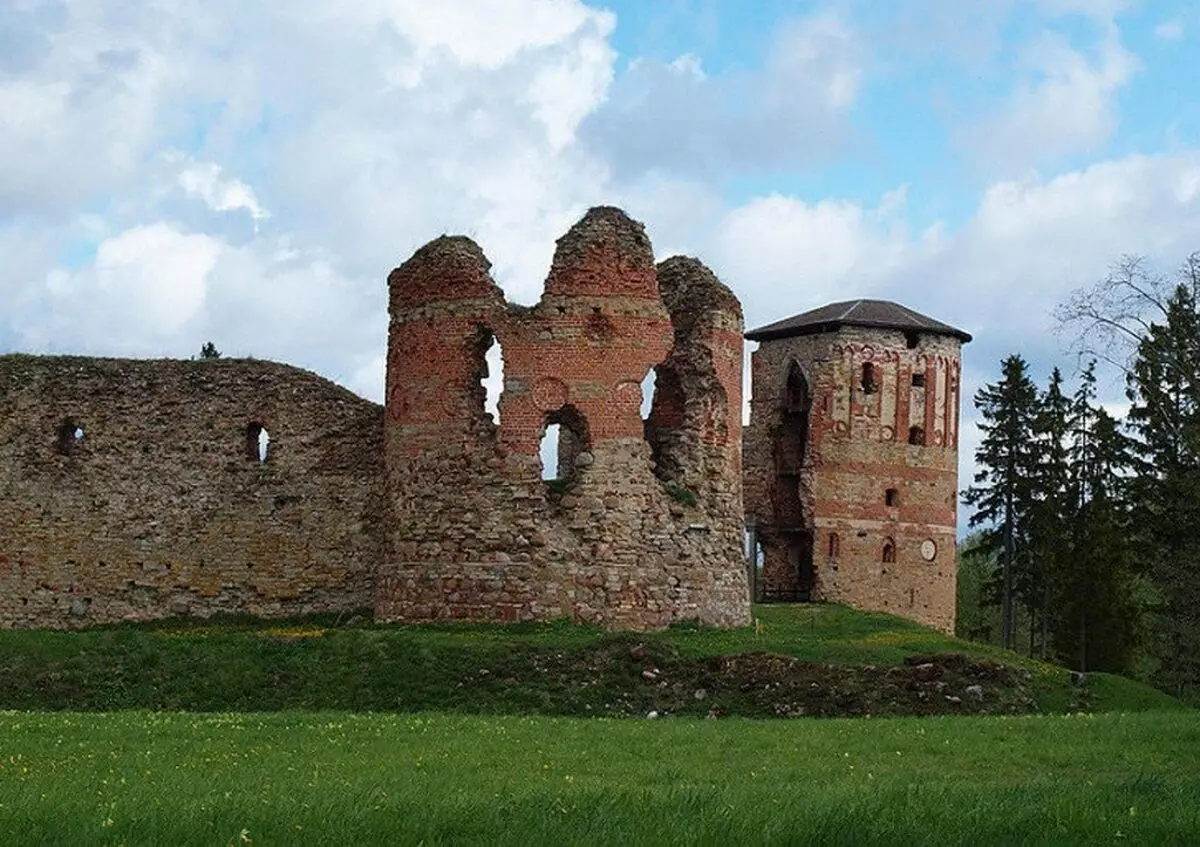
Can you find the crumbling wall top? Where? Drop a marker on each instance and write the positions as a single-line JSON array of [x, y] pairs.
[[605, 254], [695, 297], [451, 267]]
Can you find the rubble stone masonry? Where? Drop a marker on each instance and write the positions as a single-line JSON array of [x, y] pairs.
[[134, 490], [643, 525]]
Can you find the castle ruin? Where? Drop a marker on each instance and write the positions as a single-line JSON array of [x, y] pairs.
[[135, 490]]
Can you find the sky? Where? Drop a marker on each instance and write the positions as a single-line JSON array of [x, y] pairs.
[[248, 173]]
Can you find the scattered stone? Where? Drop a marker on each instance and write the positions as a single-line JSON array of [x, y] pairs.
[[926, 671], [974, 691], [637, 652], [700, 694]]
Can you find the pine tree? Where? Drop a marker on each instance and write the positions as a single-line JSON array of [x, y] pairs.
[[1003, 494]]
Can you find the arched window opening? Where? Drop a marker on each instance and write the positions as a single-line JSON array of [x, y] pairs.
[[835, 545], [916, 435], [791, 439], [868, 378], [70, 437], [892, 497], [257, 442], [565, 440], [488, 358], [889, 551]]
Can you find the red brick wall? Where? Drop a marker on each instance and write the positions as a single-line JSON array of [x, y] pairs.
[[478, 533]]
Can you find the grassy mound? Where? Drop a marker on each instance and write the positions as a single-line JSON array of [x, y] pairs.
[[800, 660]]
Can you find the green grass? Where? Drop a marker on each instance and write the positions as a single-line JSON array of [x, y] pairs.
[[547, 668], [205, 779]]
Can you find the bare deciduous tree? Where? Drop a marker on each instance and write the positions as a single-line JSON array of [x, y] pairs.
[[1108, 320]]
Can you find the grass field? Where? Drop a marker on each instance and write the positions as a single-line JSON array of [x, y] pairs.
[[553, 669], [335, 778]]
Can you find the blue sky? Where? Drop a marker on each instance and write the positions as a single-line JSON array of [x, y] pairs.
[[208, 169]]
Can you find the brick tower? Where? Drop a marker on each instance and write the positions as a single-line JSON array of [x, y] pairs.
[[643, 525], [851, 459]]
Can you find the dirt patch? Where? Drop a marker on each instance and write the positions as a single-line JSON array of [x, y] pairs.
[[632, 679]]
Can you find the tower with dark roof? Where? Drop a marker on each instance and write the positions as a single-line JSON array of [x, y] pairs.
[[851, 459]]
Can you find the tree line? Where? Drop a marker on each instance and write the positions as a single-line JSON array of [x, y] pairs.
[[1087, 527]]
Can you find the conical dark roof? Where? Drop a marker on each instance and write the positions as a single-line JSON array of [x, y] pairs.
[[883, 314]]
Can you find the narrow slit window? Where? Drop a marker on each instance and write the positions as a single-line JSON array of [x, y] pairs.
[[548, 451], [892, 497], [835, 545], [70, 437], [257, 442], [889, 551]]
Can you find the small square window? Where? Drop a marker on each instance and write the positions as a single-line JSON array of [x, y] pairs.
[[918, 380], [892, 498]]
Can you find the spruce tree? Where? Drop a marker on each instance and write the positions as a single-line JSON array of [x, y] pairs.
[[1164, 387], [1094, 613], [1003, 493], [1051, 547]]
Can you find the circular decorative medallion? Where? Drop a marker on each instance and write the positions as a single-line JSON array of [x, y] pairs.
[[550, 393], [928, 550]]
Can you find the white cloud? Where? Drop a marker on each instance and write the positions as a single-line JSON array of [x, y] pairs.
[[483, 35], [144, 288], [204, 180], [670, 117], [1066, 104]]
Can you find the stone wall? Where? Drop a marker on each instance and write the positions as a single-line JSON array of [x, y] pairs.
[[161, 506], [644, 525], [134, 490], [878, 469]]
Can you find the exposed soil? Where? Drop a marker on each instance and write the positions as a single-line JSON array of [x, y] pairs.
[[759, 684]]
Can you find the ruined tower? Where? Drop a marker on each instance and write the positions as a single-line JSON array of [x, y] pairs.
[[642, 525], [851, 459]]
